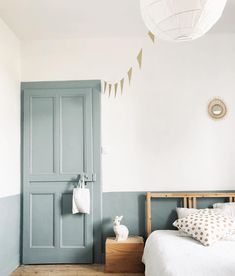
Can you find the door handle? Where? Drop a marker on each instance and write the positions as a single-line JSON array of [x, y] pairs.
[[84, 177], [90, 179]]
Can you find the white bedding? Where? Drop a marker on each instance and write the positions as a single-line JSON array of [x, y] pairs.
[[168, 254]]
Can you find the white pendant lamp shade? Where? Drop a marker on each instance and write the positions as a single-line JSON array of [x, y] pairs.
[[181, 20]]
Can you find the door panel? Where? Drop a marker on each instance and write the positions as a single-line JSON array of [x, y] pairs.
[[42, 135], [72, 145], [41, 210], [71, 237], [57, 147]]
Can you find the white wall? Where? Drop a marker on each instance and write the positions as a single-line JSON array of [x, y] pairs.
[[9, 112], [158, 134]]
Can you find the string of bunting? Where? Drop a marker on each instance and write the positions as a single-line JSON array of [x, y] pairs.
[[114, 86]]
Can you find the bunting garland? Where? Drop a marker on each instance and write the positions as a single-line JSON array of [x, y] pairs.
[[120, 83], [110, 89], [129, 74], [139, 58], [115, 89], [105, 86], [152, 36]]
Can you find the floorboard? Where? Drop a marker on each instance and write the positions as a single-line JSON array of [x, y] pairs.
[[66, 270]]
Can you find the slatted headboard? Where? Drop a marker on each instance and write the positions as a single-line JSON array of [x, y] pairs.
[[189, 201]]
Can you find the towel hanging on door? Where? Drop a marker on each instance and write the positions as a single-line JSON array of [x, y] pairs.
[[81, 198]]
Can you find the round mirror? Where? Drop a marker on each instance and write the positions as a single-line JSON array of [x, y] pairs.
[[217, 109]]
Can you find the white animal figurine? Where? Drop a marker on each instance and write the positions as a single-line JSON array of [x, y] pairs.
[[121, 231]]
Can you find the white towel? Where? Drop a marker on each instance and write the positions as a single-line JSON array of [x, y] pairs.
[[81, 200]]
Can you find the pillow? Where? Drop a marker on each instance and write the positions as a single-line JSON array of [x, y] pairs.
[[223, 209], [219, 205], [182, 213], [228, 210], [206, 226]]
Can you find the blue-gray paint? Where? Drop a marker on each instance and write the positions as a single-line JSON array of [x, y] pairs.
[[48, 166], [9, 234], [132, 206]]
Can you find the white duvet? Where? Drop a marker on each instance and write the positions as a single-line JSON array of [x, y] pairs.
[[168, 254]]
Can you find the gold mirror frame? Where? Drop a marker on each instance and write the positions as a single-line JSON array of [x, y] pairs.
[[218, 104]]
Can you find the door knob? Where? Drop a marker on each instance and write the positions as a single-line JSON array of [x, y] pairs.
[[84, 177]]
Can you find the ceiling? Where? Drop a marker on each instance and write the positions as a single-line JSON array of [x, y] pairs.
[[55, 19]]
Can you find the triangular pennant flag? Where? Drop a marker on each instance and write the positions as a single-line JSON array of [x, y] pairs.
[[139, 57], [115, 89], [110, 88], [122, 84], [105, 86], [129, 73], [152, 36]]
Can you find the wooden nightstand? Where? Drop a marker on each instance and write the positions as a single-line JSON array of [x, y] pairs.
[[124, 256]]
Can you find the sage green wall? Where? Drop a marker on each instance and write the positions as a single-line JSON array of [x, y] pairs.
[[129, 204], [10, 149], [132, 206], [9, 234]]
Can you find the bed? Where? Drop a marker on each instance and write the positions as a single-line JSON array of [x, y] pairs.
[[167, 253]]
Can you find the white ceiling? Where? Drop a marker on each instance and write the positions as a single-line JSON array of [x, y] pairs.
[[52, 19]]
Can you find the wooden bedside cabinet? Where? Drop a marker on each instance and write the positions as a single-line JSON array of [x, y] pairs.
[[124, 256]]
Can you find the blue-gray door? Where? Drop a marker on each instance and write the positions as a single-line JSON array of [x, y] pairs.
[[58, 146]]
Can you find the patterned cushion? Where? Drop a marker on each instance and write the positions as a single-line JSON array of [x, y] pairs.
[[206, 226], [182, 213]]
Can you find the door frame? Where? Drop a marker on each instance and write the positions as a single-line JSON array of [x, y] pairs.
[[95, 85]]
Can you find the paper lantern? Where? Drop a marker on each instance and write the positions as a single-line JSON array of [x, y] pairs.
[[181, 20]]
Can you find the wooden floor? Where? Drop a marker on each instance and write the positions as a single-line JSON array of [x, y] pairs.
[[66, 270]]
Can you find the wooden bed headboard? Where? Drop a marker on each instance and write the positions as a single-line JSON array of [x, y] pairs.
[[189, 201]]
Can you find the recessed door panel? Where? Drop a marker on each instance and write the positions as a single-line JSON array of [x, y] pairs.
[[71, 236], [42, 135], [72, 147], [42, 220]]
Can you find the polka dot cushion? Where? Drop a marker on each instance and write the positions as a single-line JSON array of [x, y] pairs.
[[206, 226]]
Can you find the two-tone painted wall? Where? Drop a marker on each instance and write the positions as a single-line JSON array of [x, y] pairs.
[[9, 150], [156, 136]]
